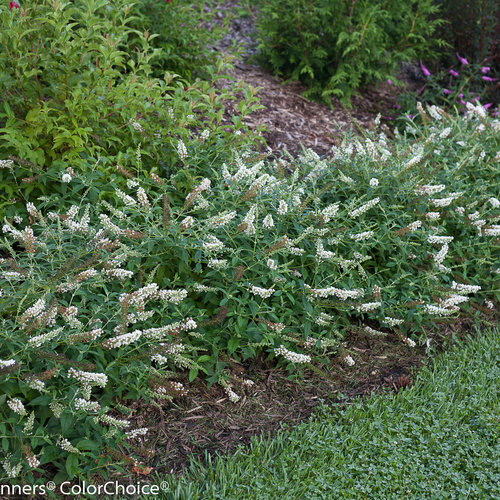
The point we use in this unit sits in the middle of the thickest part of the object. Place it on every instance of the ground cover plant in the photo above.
(104, 303)
(337, 47)
(435, 439)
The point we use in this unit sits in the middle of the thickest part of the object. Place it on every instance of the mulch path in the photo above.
(206, 422)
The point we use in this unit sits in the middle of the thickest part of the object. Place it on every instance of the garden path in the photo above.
(290, 119)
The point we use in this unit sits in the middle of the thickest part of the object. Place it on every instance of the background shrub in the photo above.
(184, 31)
(473, 29)
(76, 87)
(336, 47)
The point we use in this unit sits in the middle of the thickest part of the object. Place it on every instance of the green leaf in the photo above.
(193, 373)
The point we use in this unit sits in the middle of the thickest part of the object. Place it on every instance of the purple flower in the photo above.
(485, 69)
(475, 99)
(488, 105)
(389, 81)
(462, 102)
(462, 59)
(410, 116)
(425, 71)
(397, 106)
(489, 79)
(447, 92)
(453, 72)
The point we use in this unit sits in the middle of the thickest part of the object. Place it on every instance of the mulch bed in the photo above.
(206, 422)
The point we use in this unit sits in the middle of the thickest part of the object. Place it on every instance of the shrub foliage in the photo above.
(336, 47)
(132, 296)
(78, 78)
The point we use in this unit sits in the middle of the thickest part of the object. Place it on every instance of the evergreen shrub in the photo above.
(336, 47)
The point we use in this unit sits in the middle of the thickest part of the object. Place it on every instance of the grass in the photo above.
(437, 439)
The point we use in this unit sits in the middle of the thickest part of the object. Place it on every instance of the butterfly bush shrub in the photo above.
(135, 295)
(77, 79)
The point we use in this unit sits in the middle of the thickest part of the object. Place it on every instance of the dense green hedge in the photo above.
(336, 46)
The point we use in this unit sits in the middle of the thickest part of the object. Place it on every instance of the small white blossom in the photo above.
(262, 292)
(271, 264)
(17, 406)
(364, 208)
(438, 311)
(143, 198)
(432, 215)
(341, 294)
(8, 362)
(283, 207)
(122, 340)
(414, 225)
(329, 212)
(39, 340)
(6, 163)
(429, 189)
(182, 151)
(373, 182)
(112, 421)
(64, 444)
(221, 220)
(349, 361)
(66, 178)
(268, 221)
(136, 432)
(393, 321)
(493, 230)
(89, 406)
(137, 126)
(461, 288)
(362, 236)
(186, 223)
(32, 460)
(233, 397)
(445, 133)
(213, 244)
(439, 239)
(217, 263)
(368, 306)
(409, 342)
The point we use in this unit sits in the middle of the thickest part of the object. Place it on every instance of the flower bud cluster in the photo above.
(262, 292)
(122, 340)
(364, 208)
(292, 356)
(341, 294)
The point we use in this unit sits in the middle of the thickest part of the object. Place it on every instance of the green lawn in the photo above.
(437, 439)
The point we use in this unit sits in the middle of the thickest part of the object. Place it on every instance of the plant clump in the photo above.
(108, 301)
